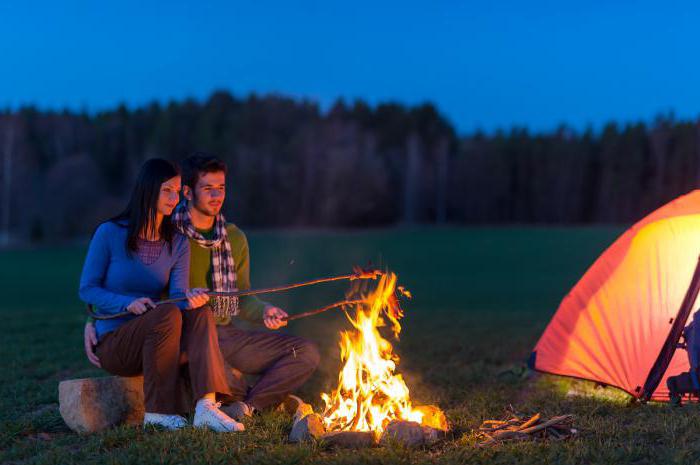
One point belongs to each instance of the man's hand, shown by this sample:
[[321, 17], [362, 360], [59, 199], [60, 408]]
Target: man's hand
[[197, 297], [274, 317], [140, 305], [90, 337]]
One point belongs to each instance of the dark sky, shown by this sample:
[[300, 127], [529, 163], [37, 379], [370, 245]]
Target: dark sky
[[485, 64]]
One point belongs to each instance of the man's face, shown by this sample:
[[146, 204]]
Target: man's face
[[209, 193]]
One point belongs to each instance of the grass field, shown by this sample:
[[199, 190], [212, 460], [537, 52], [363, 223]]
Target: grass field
[[481, 299]]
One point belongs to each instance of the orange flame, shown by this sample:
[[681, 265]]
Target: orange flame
[[369, 395]]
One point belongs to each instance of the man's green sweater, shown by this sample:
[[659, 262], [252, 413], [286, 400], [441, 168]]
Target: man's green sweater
[[251, 308]]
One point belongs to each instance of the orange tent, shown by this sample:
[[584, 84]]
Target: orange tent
[[621, 323]]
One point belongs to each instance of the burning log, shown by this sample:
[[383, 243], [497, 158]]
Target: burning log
[[494, 432], [350, 439]]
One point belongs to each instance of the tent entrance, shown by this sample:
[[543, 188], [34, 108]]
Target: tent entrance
[[658, 370]]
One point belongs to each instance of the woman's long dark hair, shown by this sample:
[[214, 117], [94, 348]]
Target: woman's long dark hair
[[140, 212]]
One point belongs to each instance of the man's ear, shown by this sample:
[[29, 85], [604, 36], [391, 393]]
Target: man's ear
[[187, 192]]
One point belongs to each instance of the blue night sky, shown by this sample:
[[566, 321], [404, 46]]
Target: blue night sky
[[485, 64]]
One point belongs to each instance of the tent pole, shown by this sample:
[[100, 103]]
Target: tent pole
[[669, 348]]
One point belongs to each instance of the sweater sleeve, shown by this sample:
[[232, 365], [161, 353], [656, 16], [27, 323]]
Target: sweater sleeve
[[94, 270], [180, 272], [251, 307]]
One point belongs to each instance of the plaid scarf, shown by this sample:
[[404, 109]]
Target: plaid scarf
[[223, 274]]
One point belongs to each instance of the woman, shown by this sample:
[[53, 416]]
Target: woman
[[132, 259]]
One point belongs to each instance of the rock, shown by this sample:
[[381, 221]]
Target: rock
[[349, 439], [433, 417], [408, 433], [89, 405], [307, 428], [411, 433], [432, 435], [295, 406]]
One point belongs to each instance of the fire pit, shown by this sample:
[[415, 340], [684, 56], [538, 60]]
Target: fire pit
[[371, 403]]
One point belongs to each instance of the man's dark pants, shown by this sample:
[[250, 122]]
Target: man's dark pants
[[284, 363]]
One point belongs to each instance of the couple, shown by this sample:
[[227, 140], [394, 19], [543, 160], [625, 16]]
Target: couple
[[158, 247]]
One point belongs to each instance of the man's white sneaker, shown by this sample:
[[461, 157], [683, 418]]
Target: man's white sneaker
[[208, 415], [170, 422]]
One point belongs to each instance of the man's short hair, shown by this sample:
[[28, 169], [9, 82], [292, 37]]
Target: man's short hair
[[200, 163]]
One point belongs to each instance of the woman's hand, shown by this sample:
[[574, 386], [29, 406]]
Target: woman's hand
[[274, 317], [140, 305], [197, 297], [90, 340]]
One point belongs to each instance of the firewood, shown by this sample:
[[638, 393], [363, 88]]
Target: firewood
[[534, 419]]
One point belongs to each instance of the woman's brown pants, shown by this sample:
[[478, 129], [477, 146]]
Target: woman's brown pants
[[156, 344]]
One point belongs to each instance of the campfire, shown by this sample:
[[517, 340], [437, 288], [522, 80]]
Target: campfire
[[370, 394], [371, 401]]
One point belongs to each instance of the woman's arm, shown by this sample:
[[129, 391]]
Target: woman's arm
[[94, 271], [180, 272]]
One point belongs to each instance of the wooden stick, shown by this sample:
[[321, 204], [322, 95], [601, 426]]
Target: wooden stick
[[551, 422], [529, 423], [342, 303], [358, 274]]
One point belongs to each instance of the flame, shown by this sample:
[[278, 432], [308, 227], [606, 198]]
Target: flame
[[369, 394]]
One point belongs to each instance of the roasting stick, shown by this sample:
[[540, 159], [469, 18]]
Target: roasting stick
[[342, 303], [357, 274]]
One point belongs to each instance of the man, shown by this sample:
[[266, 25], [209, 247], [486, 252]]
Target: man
[[220, 261]]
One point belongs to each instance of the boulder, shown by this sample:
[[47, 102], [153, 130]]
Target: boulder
[[307, 428], [89, 405]]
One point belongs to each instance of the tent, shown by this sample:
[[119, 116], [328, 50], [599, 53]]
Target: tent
[[621, 324]]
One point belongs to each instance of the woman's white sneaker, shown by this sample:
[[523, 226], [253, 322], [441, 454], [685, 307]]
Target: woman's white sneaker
[[170, 422], [208, 415]]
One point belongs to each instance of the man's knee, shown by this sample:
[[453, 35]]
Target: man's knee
[[308, 351]]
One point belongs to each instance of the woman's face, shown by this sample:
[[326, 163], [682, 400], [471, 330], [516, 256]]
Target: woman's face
[[169, 196]]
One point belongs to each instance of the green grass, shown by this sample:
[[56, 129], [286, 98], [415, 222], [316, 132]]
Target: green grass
[[481, 299]]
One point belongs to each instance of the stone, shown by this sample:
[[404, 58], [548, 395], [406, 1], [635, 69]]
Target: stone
[[433, 417], [90, 405], [432, 435], [295, 406], [349, 439], [308, 428], [411, 433], [408, 433]]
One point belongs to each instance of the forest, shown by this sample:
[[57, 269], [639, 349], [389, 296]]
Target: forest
[[291, 164]]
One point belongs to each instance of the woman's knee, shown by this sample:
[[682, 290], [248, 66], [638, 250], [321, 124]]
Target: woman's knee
[[167, 318]]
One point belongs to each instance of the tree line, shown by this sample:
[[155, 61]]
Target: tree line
[[355, 165]]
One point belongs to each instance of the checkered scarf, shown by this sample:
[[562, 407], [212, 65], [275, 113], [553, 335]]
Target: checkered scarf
[[223, 274]]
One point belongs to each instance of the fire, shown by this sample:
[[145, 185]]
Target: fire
[[369, 394]]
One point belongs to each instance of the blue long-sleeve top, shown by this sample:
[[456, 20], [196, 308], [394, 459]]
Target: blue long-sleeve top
[[113, 278]]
